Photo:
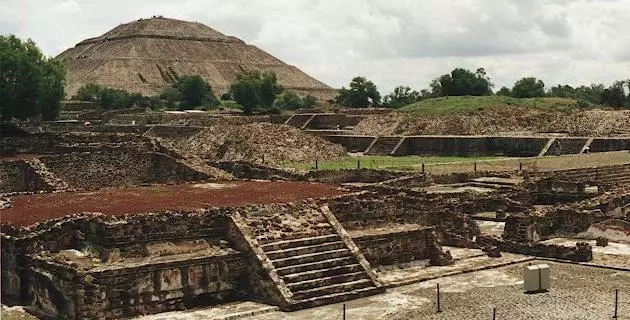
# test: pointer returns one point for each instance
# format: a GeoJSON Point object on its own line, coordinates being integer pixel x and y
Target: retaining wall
{"type": "Point", "coordinates": [94, 170]}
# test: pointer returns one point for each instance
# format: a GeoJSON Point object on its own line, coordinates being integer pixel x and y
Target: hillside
{"type": "Point", "coordinates": [497, 116]}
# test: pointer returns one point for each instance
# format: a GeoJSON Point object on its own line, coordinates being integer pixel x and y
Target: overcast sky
{"type": "Point", "coordinates": [390, 42]}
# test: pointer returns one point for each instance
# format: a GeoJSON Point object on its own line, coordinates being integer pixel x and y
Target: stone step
{"type": "Point", "coordinates": [321, 273]}
{"type": "Point", "coordinates": [332, 289]}
{"type": "Point", "coordinates": [315, 266]}
{"type": "Point", "coordinates": [300, 251]}
{"type": "Point", "coordinates": [334, 298]}
{"type": "Point", "coordinates": [312, 257]}
{"type": "Point", "coordinates": [322, 231]}
{"type": "Point", "coordinates": [326, 281]}
{"type": "Point", "coordinates": [285, 244]}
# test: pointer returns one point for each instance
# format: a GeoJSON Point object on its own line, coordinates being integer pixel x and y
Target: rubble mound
{"type": "Point", "coordinates": [500, 120]}
{"type": "Point", "coordinates": [261, 143]}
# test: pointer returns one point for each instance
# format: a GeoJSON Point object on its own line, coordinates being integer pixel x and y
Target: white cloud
{"type": "Point", "coordinates": [391, 42]}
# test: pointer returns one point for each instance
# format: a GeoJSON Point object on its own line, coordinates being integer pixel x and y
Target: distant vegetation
{"type": "Point", "coordinates": [252, 92]}
{"type": "Point", "coordinates": [461, 82]}
{"type": "Point", "coordinates": [31, 85]}
{"type": "Point", "coordinates": [470, 104]}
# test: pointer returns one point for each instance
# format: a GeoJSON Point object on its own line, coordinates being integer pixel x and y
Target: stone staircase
{"type": "Point", "coordinates": [569, 145]}
{"type": "Point", "coordinates": [383, 146]}
{"type": "Point", "coordinates": [319, 270]}
{"type": "Point", "coordinates": [310, 268]}
{"type": "Point", "coordinates": [299, 120]}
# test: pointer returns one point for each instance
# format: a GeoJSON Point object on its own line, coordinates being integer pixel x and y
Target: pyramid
{"type": "Point", "coordinates": [147, 55]}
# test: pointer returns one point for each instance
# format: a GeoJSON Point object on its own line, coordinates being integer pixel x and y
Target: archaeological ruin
{"type": "Point", "coordinates": [135, 213]}
{"type": "Point", "coordinates": [147, 55]}
{"type": "Point", "coordinates": [108, 224]}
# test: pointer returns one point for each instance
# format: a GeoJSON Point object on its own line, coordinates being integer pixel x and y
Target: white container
{"type": "Point", "coordinates": [530, 278]}
{"type": "Point", "coordinates": [545, 276]}
{"type": "Point", "coordinates": [536, 278]}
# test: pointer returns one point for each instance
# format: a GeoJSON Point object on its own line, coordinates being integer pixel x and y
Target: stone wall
{"type": "Point", "coordinates": [145, 289]}
{"type": "Point", "coordinates": [19, 176]}
{"type": "Point", "coordinates": [395, 247]}
{"type": "Point", "coordinates": [372, 210]}
{"type": "Point", "coordinates": [333, 121]}
{"type": "Point", "coordinates": [568, 220]}
{"type": "Point", "coordinates": [351, 143]}
{"type": "Point", "coordinates": [193, 119]}
{"type": "Point", "coordinates": [118, 167]}
{"type": "Point", "coordinates": [354, 175]}
{"type": "Point", "coordinates": [161, 131]}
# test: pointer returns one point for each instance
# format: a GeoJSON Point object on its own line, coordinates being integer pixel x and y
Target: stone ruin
{"type": "Point", "coordinates": [295, 250]}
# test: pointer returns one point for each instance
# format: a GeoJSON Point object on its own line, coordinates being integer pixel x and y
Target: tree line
{"type": "Point", "coordinates": [363, 93]}
{"type": "Point", "coordinates": [32, 85]}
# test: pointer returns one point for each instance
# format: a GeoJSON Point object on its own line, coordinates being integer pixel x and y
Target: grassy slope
{"type": "Point", "coordinates": [468, 104]}
{"type": "Point", "coordinates": [374, 162]}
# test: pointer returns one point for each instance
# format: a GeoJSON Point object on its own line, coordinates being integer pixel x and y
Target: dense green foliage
{"type": "Point", "coordinates": [401, 96]}
{"type": "Point", "coordinates": [31, 85]}
{"type": "Point", "coordinates": [462, 82]}
{"type": "Point", "coordinates": [361, 93]}
{"type": "Point", "coordinates": [528, 87]}
{"type": "Point", "coordinates": [193, 91]}
{"type": "Point", "coordinates": [255, 91]}
{"type": "Point", "coordinates": [291, 101]}
{"type": "Point", "coordinates": [109, 98]}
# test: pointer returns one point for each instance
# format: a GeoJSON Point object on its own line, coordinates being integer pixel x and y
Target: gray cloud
{"type": "Point", "coordinates": [391, 42]}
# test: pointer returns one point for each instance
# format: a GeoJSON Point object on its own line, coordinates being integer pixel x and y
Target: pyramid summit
{"type": "Point", "coordinates": [147, 55]}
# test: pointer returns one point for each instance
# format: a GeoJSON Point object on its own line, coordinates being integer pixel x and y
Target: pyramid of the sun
{"type": "Point", "coordinates": [145, 56]}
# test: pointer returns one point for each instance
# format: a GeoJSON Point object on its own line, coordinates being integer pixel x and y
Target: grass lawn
{"type": "Point", "coordinates": [468, 104]}
{"type": "Point", "coordinates": [383, 162]}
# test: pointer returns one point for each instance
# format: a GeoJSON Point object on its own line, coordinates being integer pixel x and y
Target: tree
{"type": "Point", "coordinates": [31, 85]}
{"type": "Point", "coordinates": [309, 101]}
{"type": "Point", "coordinates": [504, 91]}
{"type": "Point", "coordinates": [462, 82]}
{"type": "Point", "coordinates": [109, 98]}
{"type": "Point", "coordinates": [401, 96]}
{"type": "Point", "coordinates": [528, 87]}
{"type": "Point", "coordinates": [254, 90]}
{"type": "Point", "coordinates": [362, 93]}
{"type": "Point", "coordinates": [615, 96]}
{"type": "Point", "coordinates": [289, 101]}
{"type": "Point", "coordinates": [195, 92]}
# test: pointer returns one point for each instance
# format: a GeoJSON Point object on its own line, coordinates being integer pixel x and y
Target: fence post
{"type": "Point", "coordinates": [438, 299]}
{"type": "Point", "coordinates": [316, 165]}
{"type": "Point", "coordinates": [520, 167]}
{"type": "Point", "coordinates": [423, 167]}
{"type": "Point", "coordinates": [616, 316]}
{"type": "Point", "coordinates": [475, 165]}
{"type": "Point", "coordinates": [494, 313]}
{"type": "Point", "coordinates": [344, 311]}
{"type": "Point", "coordinates": [358, 164]}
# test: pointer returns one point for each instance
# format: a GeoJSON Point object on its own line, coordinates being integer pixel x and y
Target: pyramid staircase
{"type": "Point", "coordinates": [317, 270]}
{"type": "Point", "coordinates": [384, 146]}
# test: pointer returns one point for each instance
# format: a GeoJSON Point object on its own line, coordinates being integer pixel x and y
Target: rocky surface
{"type": "Point", "coordinates": [500, 120]}
{"type": "Point", "coordinates": [260, 143]}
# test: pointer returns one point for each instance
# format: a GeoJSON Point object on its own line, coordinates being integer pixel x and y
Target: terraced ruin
{"type": "Point", "coordinates": [113, 225]}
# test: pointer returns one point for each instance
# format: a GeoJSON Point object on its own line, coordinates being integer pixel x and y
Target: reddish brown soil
{"type": "Point", "coordinates": [29, 209]}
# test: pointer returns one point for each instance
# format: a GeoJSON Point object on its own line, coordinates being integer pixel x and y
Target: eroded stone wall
{"type": "Point", "coordinates": [118, 167]}
{"type": "Point", "coordinates": [19, 176]}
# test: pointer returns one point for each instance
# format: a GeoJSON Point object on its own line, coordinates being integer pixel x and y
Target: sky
{"type": "Point", "coordinates": [396, 42]}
